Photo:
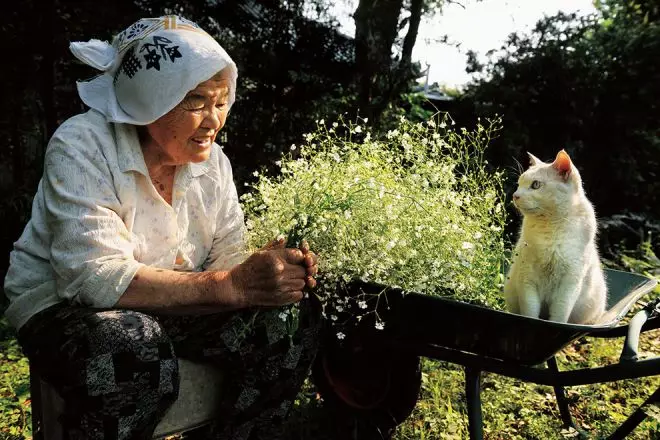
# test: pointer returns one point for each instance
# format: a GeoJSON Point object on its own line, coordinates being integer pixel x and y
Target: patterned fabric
{"type": "Point", "coordinates": [117, 369]}
{"type": "Point", "coordinates": [149, 68]}
{"type": "Point", "coordinates": [103, 220]}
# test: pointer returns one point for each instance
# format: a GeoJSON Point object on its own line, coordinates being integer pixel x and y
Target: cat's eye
{"type": "Point", "coordinates": [535, 184]}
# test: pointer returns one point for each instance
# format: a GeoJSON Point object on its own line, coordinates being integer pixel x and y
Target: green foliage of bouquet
{"type": "Point", "coordinates": [417, 209]}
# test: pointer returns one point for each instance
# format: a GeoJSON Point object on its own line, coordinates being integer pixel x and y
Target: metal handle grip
{"type": "Point", "coordinates": [631, 344]}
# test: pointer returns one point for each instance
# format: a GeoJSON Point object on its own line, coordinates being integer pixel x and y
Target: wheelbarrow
{"type": "Point", "coordinates": [375, 374]}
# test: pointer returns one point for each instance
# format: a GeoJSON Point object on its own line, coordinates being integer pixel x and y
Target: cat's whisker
{"type": "Point", "coordinates": [520, 167]}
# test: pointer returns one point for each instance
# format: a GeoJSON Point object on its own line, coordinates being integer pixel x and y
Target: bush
{"type": "Point", "coordinates": [417, 209]}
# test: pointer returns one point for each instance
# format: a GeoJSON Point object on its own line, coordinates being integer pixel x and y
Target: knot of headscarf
{"type": "Point", "coordinates": [96, 53]}
{"type": "Point", "coordinates": [149, 68]}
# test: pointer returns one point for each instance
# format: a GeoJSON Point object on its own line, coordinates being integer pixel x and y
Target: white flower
{"type": "Point", "coordinates": [392, 133]}
{"type": "Point", "coordinates": [335, 125]}
{"type": "Point", "coordinates": [358, 129]}
{"type": "Point", "coordinates": [283, 316]}
{"type": "Point", "coordinates": [333, 317]}
{"type": "Point", "coordinates": [443, 124]}
{"type": "Point", "coordinates": [340, 336]}
{"type": "Point", "coordinates": [255, 174]}
{"type": "Point", "coordinates": [477, 235]}
{"type": "Point", "coordinates": [467, 245]}
{"type": "Point", "coordinates": [322, 121]}
{"type": "Point", "coordinates": [339, 309]}
{"type": "Point", "coordinates": [380, 325]}
{"type": "Point", "coordinates": [293, 147]}
{"type": "Point", "coordinates": [362, 304]}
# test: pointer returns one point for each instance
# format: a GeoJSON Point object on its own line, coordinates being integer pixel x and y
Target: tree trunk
{"type": "Point", "coordinates": [403, 73]}
{"type": "Point", "coordinates": [413, 30]}
{"type": "Point", "coordinates": [376, 26]}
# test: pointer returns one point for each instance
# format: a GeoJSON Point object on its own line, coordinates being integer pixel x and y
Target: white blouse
{"type": "Point", "coordinates": [97, 218]}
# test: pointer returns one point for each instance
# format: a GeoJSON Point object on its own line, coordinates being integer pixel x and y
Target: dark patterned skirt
{"type": "Point", "coordinates": [117, 369]}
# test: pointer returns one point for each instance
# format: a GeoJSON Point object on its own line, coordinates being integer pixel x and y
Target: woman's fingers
{"type": "Point", "coordinates": [296, 296]}
{"type": "Point", "coordinates": [293, 285]}
{"type": "Point", "coordinates": [294, 256]}
{"type": "Point", "coordinates": [275, 244]}
{"type": "Point", "coordinates": [294, 271]}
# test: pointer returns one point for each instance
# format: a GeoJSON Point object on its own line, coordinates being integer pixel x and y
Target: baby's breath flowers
{"type": "Point", "coordinates": [417, 208]}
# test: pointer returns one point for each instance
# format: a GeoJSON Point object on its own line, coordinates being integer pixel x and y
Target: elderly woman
{"type": "Point", "coordinates": [135, 255]}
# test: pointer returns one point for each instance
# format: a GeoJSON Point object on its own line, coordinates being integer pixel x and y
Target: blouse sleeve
{"type": "Point", "coordinates": [91, 252]}
{"type": "Point", "coordinates": [229, 246]}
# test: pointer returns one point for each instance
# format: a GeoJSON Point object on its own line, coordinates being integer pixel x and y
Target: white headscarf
{"type": "Point", "coordinates": [149, 68]}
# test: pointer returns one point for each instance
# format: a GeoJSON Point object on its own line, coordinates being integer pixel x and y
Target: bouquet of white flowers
{"type": "Point", "coordinates": [417, 209]}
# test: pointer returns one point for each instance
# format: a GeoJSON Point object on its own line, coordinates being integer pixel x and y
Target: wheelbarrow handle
{"type": "Point", "coordinates": [631, 344]}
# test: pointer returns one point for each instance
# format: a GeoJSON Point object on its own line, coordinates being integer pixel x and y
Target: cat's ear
{"type": "Point", "coordinates": [533, 160]}
{"type": "Point", "coordinates": [563, 165]}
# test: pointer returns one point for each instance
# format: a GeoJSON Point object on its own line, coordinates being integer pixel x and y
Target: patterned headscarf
{"type": "Point", "coordinates": [149, 68]}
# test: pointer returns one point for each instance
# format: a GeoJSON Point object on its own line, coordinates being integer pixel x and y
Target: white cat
{"type": "Point", "coordinates": [556, 272]}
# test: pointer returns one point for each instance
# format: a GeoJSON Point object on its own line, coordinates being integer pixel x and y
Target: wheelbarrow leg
{"type": "Point", "coordinates": [635, 418]}
{"type": "Point", "coordinates": [562, 403]}
{"type": "Point", "coordinates": [473, 397]}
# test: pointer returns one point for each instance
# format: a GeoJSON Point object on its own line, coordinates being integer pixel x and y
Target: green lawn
{"type": "Point", "coordinates": [512, 409]}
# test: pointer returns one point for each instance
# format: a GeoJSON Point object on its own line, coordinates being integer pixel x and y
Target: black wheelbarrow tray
{"type": "Point", "coordinates": [482, 339]}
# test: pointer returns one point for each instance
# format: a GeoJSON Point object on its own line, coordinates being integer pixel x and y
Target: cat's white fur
{"type": "Point", "coordinates": [556, 272]}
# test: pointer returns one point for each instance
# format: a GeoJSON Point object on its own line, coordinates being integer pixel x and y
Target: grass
{"type": "Point", "coordinates": [512, 409]}
{"type": "Point", "coordinates": [15, 414]}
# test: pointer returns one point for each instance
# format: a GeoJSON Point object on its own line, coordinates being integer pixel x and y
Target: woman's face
{"type": "Point", "coordinates": [186, 133]}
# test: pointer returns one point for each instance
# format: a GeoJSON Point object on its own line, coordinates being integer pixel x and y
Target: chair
{"type": "Point", "coordinates": [197, 405]}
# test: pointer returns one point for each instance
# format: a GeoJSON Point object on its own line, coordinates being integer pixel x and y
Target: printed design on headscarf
{"type": "Point", "coordinates": [130, 64]}
{"type": "Point", "coordinates": [162, 45]}
{"type": "Point", "coordinates": [136, 29]}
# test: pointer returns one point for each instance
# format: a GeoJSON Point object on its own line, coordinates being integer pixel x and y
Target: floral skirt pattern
{"type": "Point", "coordinates": [117, 370]}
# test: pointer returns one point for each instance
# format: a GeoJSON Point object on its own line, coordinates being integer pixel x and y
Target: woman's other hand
{"type": "Point", "coordinates": [274, 275]}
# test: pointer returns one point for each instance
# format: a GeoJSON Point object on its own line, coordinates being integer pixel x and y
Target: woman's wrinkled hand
{"type": "Point", "coordinates": [275, 275]}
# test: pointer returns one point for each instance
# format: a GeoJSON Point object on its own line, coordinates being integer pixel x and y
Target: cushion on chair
{"type": "Point", "coordinates": [198, 402]}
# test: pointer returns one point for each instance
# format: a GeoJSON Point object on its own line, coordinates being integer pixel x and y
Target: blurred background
{"type": "Point", "coordinates": [566, 74]}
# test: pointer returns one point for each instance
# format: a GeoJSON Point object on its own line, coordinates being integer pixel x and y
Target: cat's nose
{"type": "Point", "coordinates": [516, 197]}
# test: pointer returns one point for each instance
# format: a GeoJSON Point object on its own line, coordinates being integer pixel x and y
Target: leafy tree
{"type": "Point", "coordinates": [587, 84]}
